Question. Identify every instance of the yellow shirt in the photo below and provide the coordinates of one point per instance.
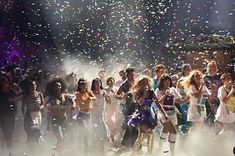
(83, 101)
(231, 103)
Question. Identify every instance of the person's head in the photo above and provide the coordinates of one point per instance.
(147, 72)
(96, 85)
(194, 78)
(56, 86)
(18, 71)
(143, 82)
(234, 150)
(160, 69)
(227, 79)
(110, 82)
(29, 87)
(186, 69)
(197, 76)
(212, 68)
(102, 74)
(4, 81)
(122, 74)
(39, 75)
(82, 85)
(165, 81)
(71, 79)
(130, 74)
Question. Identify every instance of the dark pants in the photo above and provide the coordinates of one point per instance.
(129, 137)
(7, 125)
(211, 110)
(131, 133)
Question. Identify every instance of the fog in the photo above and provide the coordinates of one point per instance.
(199, 142)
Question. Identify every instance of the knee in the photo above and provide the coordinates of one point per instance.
(172, 138)
(163, 135)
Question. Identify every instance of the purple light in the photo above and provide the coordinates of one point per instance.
(14, 54)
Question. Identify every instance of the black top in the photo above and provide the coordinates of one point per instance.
(126, 86)
(168, 103)
(7, 106)
(209, 80)
(212, 80)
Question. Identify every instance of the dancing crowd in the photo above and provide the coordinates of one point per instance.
(121, 112)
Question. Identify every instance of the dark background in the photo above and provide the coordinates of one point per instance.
(97, 28)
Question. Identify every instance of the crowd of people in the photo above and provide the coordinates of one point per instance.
(121, 112)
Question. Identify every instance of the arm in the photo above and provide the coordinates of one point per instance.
(71, 105)
(162, 98)
(119, 94)
(69, 98)
(106, 97)
(42, 102)
(91, 96)
(226, 97)
(179, 99)
(182, 100)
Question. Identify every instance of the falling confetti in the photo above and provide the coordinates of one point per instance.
(126, 30)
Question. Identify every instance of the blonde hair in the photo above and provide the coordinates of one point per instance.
(139, 80)
(136, 87)
(189, 79)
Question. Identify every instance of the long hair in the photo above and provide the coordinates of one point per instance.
(136, 88)
(96, 80)
(26, 87)
(190, 79)
(162, 79)
(81, 81)
(51, 85)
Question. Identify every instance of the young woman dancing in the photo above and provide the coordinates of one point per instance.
(142, 119)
